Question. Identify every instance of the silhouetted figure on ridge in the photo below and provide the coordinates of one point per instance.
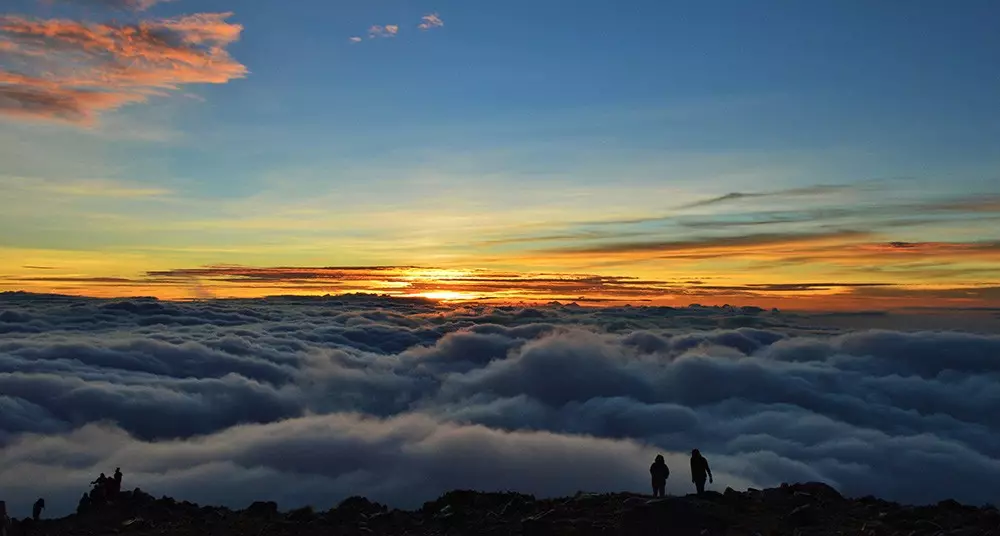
(84, 505)
(36, 510)
(100, 491)
(116, 482)
(4, 519)
(699, 469)
(659, 473)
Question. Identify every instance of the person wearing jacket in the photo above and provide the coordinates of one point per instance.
(699, 470)
(659, 473)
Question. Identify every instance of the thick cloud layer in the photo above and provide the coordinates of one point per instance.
(307, 401)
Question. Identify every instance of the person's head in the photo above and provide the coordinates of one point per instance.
(102, 475)
(659, 458)
(695, 453)
(118, 469)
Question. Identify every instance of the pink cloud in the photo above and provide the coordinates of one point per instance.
(355, 39)
(73, 71)
(430, 21)
(389, 30)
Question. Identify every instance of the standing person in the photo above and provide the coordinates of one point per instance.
(99, 493)
(116, 487)
(659, 472)
(4, 519)
(699, 469)
(36, 510)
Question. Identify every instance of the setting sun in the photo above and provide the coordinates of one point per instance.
(447, 295)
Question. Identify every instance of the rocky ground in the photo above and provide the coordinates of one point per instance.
(799, 509)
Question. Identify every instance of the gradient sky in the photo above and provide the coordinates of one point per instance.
(823, 154)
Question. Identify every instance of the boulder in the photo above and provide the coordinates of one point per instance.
(263, 509)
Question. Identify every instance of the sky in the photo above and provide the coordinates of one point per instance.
(820, 155)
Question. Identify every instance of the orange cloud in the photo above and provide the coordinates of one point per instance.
(487, 286)
(74, 70)
(430, 21)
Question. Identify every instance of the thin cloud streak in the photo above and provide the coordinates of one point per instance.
(125, 5)
(742, 243)
(102, 188)
(810, 191)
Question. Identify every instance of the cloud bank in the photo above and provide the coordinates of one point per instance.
(308, 401)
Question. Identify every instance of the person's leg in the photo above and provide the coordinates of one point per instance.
(700, 485)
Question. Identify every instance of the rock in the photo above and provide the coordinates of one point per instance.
(301, 515)
(951, 504)
(263, 509)
(680, 515)
(532, 526)
(356, 508)
(809, 509)
(804, 516)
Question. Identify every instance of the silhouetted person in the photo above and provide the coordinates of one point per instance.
(699, 469)
(116, 482)
(84, 505)
(36, 510)
(659, 473)
(4, 519)
(100, 491)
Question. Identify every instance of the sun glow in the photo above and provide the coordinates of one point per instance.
(447, 295)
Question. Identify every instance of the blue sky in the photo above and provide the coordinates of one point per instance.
(534, 113)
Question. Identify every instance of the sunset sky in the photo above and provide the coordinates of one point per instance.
(811, 155)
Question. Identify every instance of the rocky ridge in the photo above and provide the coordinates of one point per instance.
(797, 509)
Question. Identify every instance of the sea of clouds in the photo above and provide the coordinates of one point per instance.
(311, 400)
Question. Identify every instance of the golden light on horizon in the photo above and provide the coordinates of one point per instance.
(447, 295)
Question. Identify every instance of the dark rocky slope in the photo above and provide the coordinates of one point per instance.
(800, 509)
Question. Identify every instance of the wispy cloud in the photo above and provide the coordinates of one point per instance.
(129, 5)
(714, 245)
(430, 21)
(377, 31)
(818, 190)
(389, 30)
(72, 71)
(103, 188)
